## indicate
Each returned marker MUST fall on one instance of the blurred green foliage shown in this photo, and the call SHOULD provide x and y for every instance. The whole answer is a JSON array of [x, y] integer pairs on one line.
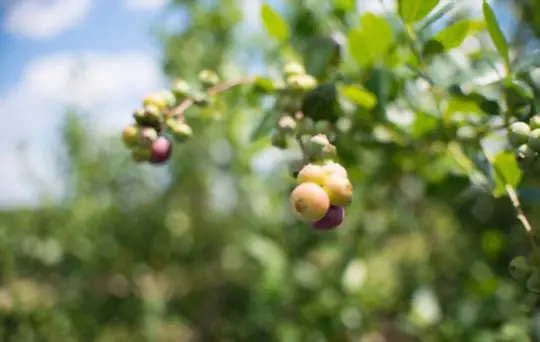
[[206, 248]]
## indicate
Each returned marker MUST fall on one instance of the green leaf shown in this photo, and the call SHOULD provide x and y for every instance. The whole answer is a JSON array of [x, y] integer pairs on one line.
[[414, 10], [466, 164], [453, 36], [435, 16], [344, 5], [366, 47], [506, 172], [266, 124], [424, 124], [359, 95], [274, 24], [495, 33]]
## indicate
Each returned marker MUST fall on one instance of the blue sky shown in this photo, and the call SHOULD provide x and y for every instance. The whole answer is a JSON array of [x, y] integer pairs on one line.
[[41, 45]]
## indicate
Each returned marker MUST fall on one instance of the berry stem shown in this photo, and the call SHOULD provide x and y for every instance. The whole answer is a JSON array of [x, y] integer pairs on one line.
[[179, 110], [520, 214]]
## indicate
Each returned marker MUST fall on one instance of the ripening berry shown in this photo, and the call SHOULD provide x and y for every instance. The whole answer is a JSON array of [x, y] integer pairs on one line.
[[520, 268], [534, 122], [534, 140], [130, 135], [147, 136], [161, 150], [518, 133], [141, 154], [310, 202], [339, 190], [312, 173], [333, 168], [525, 157], [152, 114], [332, 219]]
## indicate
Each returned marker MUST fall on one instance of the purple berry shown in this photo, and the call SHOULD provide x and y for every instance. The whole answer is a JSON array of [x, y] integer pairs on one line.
[[333, 218], [161, 150]]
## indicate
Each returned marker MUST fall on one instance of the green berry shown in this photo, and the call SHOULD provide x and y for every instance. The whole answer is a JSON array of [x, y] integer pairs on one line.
[[130, 136], [525, 157], [534, 122], [279, 140], [181, 89], [202, 99], [152, 114], [520, 268], [169, 98], [533, 282], [155, 99], [180, 130], [294, 69], [306, 126], [518, 133], [323, 126], [141, 154], [287, 124], [208, 78], [534, 140]]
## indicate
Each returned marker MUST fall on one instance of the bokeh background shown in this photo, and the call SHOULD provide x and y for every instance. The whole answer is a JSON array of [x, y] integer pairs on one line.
[[96, 248]]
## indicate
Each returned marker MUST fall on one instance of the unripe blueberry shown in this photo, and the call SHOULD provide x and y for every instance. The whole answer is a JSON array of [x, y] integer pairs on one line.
[[202, 100], [181, 89], [339, 190], [520, 268], [141, 154], [328, 152], [152, 114], [180, 130], [310, 202], [312, 173], [331, 220], [534, 140], [161, 150], [333, 168], [155, 99], [279, 140], [533, 282], [525, 157], [169, 98], [208, 78], [130, 135], [287, 124], [306, 126], [534, 122], [316, 144], [302, 82], [518, 133], [293, 69], [147, 136]]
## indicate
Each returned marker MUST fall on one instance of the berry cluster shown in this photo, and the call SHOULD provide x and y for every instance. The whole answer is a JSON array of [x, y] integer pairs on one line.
[[525, 138], [161, 120], [323, 187]]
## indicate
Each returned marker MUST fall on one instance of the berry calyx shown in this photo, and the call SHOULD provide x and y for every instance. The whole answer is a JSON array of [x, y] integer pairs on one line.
[[331, 220], [310, 202]]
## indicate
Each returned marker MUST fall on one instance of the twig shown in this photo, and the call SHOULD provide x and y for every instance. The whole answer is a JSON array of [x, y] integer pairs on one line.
[[520, 214], [179, 110]]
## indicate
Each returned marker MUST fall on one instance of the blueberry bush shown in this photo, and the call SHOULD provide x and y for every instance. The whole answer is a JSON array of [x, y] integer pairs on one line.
[[226, 210]]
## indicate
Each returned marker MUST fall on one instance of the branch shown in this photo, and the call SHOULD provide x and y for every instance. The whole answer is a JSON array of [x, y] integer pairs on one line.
[[179, 110]]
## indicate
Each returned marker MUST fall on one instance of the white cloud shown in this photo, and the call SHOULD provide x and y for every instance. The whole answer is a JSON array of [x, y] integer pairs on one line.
[[44, 18], [106, 86], [145, 4]]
